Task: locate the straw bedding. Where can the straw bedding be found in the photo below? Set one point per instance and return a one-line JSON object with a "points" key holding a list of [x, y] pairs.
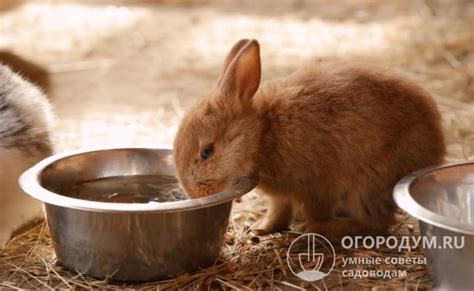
{"points": [[125, 75]]}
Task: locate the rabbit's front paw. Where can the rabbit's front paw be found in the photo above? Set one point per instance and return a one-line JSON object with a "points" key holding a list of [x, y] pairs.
{"points": [[270, 225]]}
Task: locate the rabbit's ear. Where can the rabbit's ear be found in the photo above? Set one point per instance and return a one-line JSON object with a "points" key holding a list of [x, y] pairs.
{"points": [[242, 76], [231, 55]]}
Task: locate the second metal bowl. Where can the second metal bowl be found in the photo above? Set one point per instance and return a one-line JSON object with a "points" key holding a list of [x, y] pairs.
{"points": [[442, 199]]}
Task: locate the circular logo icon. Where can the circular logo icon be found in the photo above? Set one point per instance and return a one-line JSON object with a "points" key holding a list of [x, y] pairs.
{"points": [[311, 257]]}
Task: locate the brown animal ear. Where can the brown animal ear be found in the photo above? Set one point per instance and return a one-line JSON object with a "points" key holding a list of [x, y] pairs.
{"points": [[231, 55], [242, 74]]}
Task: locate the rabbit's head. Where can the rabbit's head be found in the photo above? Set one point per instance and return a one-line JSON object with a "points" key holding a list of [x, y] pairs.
{"points": [[218, 140]]}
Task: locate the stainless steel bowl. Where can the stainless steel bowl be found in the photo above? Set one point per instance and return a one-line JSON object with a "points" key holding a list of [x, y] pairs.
{"points": [[442, 199], [128, 241]]}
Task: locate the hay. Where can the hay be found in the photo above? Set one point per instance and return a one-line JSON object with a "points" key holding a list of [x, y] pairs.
{"points": [[247, 262], [429, 42]]}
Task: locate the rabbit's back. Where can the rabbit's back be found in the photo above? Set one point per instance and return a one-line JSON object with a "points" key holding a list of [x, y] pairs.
{"points": [[333, 120]]}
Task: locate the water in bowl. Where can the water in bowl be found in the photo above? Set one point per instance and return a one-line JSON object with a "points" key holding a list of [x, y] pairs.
{"points": [[129, 189]]}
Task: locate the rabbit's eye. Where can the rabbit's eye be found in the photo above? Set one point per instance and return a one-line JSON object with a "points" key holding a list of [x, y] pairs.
{"points": [[207, 151]]}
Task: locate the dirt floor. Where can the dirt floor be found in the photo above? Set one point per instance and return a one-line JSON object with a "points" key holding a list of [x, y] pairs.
{"points": [[123, 73]]}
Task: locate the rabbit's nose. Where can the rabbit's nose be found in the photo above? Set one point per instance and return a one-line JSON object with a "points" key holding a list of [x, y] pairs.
{"points": [[187, 187]]}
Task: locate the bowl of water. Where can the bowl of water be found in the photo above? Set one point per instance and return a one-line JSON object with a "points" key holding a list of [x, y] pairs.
{"points": [[442, 199], [120, 214]]}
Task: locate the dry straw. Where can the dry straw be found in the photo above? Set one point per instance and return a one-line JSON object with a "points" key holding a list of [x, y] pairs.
{"points": [[247, 262]]}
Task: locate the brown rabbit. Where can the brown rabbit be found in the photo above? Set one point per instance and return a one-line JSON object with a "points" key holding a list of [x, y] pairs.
{"points": [[327, 139]]}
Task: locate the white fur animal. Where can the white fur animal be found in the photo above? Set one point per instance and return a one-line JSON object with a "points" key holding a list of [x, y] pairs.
{"points": [[25, 121]]}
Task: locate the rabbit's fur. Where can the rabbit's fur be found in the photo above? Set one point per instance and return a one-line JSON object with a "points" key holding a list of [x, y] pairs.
{"points": [[331, 138], [25, 121]]}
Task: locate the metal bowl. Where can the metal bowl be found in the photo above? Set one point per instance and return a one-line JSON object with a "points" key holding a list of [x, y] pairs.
{"points": [[128, 241], [442, 199]]}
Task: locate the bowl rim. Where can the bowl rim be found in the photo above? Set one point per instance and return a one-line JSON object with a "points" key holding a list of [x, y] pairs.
{"points": [[404, 200], [30, 184]]}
